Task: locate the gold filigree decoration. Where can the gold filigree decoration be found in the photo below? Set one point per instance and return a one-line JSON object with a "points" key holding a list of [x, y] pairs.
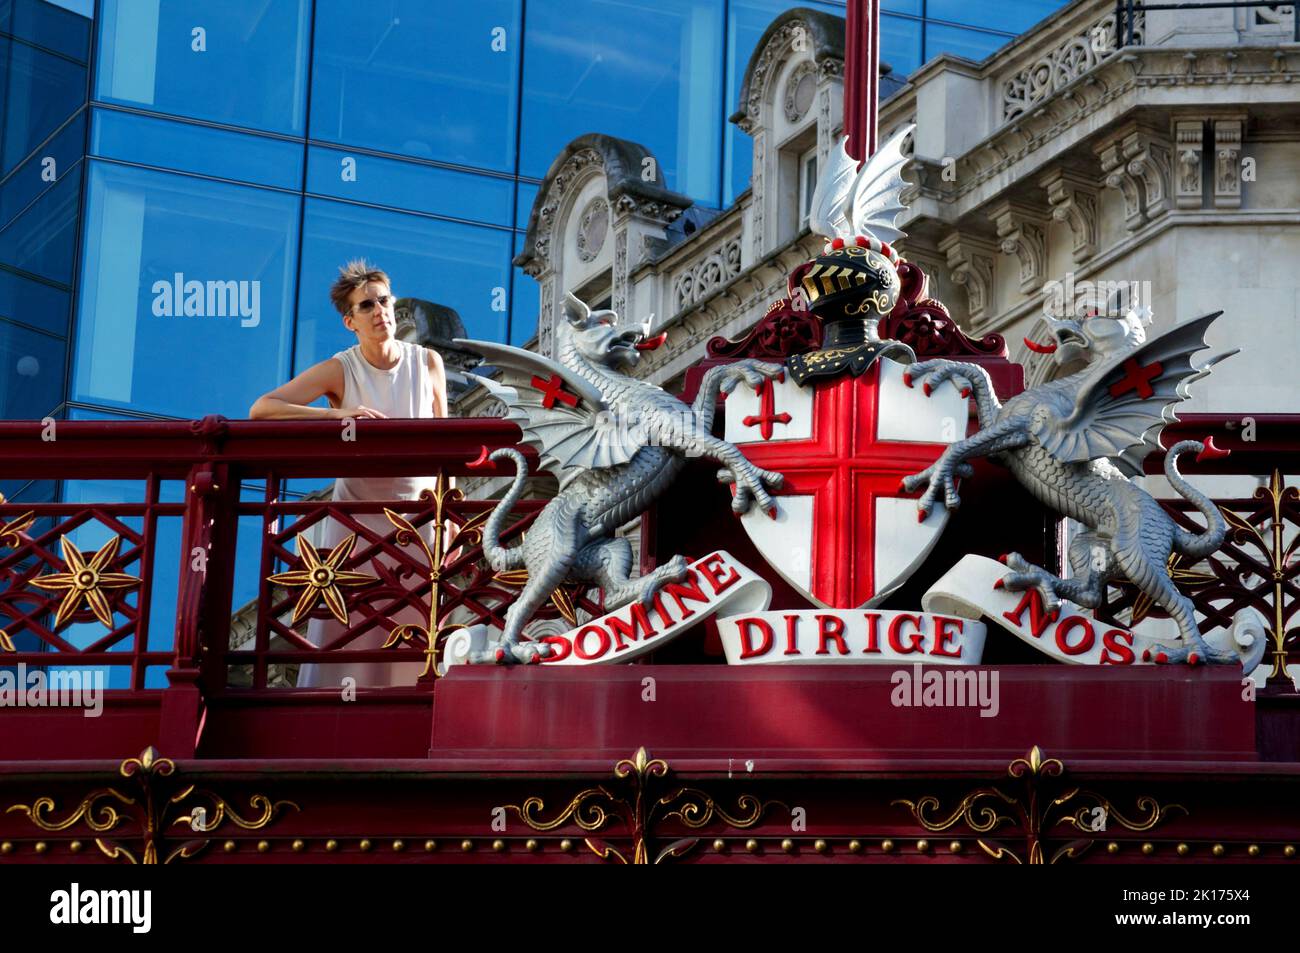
{"points": [[564, 598], [85, 581], [1185, 577], [6, 642], [9, 532], [152, 810], [321, 578], [434, 636], [595, 808], [986, 809], [1279, 557]]}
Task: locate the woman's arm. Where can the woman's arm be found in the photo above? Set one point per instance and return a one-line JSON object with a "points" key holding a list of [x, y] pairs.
{"points": [[439, 372], [291, 401]]}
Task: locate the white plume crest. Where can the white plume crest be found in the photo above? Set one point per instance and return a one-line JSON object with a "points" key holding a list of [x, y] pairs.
{"points": [[848, 203]]}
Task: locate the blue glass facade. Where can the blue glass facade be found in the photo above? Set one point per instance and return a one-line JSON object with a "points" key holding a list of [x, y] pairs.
{"points": [[217, 162]]}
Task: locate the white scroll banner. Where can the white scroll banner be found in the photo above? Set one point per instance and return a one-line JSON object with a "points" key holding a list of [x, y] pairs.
{"points": [[1074, 635], [858, 636], [715, 583]]}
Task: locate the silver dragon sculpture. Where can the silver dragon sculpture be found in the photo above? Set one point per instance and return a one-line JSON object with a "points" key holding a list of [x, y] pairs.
{"points": [[615, 443], [1075, 442]]}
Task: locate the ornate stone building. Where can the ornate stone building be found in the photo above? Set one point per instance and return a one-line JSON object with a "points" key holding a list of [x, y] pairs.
{"points": [[1066, 165]]}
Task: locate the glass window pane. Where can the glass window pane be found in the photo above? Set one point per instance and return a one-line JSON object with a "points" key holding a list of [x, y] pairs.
{"points": [[42, 240], [526, 306], [193, 148], [971, 44], [409, 185], [900, 47], [43, 91], [527, 195], [32, 177], [432, 80], [33, 302], [448, 263], [31, 365], [242, 62], [55, 29], [186, 304], [1008, 17], [646, 71]]}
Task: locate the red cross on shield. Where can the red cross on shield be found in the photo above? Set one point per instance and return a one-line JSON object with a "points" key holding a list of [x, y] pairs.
{"points": [[845, 534]]}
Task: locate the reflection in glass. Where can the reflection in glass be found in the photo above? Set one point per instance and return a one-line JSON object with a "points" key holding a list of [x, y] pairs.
{"points": [[186, 292], [409, 185], [647, 71], [42, 240], [971, 44], [431, 80], [461, 266], [31, 366], [1007, 17], [242, 62], [203, 150], [41, 92]]}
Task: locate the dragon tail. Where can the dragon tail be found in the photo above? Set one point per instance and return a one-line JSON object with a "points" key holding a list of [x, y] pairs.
{"points": [[498, 557], [1211, 538]]}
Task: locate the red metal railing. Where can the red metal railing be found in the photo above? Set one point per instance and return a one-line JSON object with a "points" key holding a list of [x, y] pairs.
{"points": [[90, 583], [101, 603]]}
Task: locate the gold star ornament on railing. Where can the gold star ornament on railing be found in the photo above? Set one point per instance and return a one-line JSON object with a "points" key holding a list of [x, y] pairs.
{"points": [[86, 581]]}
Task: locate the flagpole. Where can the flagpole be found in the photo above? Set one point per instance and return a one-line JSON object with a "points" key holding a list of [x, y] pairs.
{"points": [[861, 76]]}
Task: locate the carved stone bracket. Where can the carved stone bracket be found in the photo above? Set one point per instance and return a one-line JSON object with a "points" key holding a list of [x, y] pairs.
{"points": [[971, 260], [1137, 162], [1073, 198], [1227, 162], [1022, 232], [1189, 143]]}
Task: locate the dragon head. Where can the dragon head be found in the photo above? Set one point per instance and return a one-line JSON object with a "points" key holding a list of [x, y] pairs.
{"points": [[596, 336], [1092, 336]]}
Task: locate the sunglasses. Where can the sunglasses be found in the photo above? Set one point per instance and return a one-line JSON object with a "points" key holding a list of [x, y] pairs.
{"points": [[367, 306]]}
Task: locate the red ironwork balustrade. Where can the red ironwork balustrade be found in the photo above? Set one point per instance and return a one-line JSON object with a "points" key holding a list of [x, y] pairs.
{"points": [[207, 524]]}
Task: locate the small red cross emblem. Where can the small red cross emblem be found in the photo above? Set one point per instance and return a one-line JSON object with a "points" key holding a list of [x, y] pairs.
{"points": [[767, 414], [552, 389], [1137, 377]]}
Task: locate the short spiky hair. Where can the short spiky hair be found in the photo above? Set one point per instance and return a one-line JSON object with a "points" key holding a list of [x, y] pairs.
{"points": [[353, 275]]}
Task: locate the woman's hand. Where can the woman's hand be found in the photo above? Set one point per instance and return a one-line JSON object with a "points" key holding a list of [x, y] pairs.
{"points": [[343, 413]]}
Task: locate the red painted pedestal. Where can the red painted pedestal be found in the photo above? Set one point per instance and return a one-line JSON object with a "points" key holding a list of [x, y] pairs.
{"points": [[833, 718]]}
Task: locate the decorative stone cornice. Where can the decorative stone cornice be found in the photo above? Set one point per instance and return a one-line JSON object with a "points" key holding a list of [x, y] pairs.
{"points": [[1022, 231], [1136, 160], [1135, 79], [1073, 198], [971, 260]]}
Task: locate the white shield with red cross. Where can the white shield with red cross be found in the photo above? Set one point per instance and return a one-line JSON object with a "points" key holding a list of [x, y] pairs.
{"points": [[845, 534]]}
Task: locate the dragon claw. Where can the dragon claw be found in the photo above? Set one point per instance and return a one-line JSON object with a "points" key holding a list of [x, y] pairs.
{"points": [[965, 391], [999, 584], [907, 378], [925, 389]]}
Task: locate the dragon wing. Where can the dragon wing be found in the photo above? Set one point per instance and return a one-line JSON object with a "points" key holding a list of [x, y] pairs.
{"points": [[1124, 404], [565, 418], [847, 202]]}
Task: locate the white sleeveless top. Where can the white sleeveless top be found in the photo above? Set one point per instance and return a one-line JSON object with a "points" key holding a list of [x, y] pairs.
{"points": [[404, 390]]}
